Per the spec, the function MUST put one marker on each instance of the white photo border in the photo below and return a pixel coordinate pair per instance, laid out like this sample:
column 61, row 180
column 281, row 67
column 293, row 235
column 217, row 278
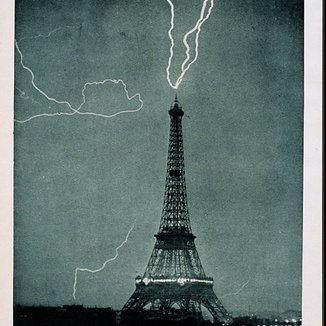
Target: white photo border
column 312, row 193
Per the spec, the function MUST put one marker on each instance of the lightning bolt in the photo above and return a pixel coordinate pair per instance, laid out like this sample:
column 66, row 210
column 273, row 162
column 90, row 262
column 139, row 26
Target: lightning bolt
column 73, row 111
column 237, row 292
column 197, row 28
column 42, row 35
column 66, row 103
column 78, row 269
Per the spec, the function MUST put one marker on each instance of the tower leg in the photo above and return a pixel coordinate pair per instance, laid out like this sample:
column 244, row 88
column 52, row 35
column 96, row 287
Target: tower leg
column 215, row 307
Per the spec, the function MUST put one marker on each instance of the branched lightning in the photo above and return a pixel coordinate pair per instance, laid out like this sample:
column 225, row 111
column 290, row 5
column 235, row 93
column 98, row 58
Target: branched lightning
column 78, row 269
column 197, row 28
column 66, row 103
column 237, row 292
column 72, row 111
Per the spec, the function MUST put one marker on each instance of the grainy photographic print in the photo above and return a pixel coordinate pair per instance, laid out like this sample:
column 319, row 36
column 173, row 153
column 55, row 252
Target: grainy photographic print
column 158, row 162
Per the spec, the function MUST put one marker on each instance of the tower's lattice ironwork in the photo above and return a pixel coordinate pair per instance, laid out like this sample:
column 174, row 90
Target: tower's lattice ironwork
column 174, row 276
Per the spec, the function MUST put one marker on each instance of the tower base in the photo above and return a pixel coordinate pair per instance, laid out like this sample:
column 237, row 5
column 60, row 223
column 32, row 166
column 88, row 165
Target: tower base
column 176, row 301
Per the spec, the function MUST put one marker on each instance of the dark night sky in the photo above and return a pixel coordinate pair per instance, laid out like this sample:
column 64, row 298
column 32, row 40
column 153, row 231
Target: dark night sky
column 81, row 181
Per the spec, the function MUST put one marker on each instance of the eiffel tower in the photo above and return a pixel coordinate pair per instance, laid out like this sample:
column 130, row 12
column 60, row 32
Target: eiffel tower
column 174, row 279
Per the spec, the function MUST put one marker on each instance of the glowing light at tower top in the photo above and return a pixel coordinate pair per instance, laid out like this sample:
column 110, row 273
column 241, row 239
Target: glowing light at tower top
column 204, row 15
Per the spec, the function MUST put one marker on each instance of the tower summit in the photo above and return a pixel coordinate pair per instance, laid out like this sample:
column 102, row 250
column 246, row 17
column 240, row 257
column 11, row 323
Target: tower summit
column 174, row 278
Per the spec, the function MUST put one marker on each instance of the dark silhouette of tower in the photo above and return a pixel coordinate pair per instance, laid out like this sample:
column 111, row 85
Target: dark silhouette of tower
column 174, row 279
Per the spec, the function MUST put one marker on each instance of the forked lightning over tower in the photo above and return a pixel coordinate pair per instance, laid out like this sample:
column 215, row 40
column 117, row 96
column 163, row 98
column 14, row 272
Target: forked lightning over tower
column 174, row 277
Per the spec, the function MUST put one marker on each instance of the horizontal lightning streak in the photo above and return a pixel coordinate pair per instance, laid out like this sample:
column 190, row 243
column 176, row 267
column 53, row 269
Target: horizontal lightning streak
column 66, row 103
column 197, row 27
column 78, row 269
column 41, row 35
column 237, row 292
